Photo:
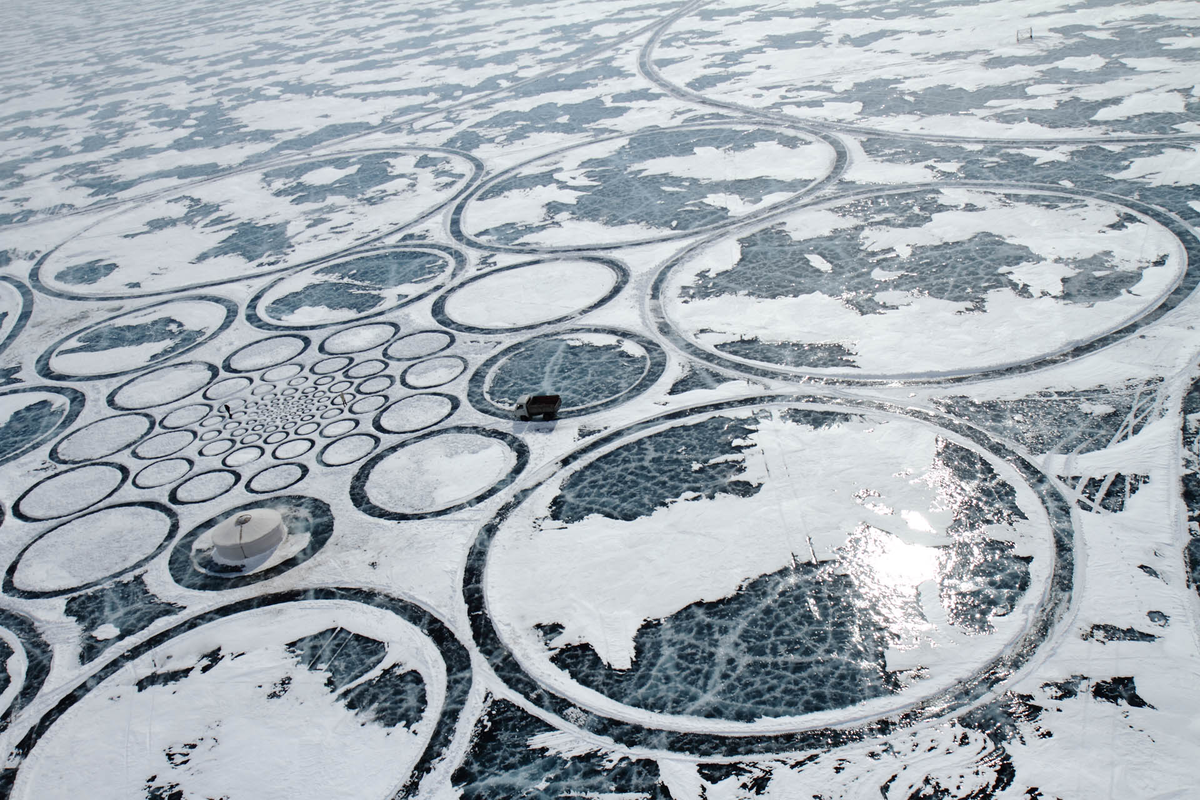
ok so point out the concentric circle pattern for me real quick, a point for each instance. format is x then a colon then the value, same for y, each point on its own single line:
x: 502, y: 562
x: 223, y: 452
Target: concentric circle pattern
x: 206, y: 430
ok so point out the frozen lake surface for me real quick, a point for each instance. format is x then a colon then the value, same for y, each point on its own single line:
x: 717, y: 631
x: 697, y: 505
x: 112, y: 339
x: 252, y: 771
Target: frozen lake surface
x: 877, y: 468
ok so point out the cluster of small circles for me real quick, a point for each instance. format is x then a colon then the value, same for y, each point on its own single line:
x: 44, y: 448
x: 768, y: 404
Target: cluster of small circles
x: 264, y: 410
x: 281, y: 412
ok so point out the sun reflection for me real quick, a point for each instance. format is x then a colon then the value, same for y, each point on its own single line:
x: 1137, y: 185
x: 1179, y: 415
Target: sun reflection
x: 889, y: 573
x: 897, y: 564
x: 917, y: 521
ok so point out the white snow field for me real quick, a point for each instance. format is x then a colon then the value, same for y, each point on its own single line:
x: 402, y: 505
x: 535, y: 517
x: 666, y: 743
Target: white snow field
x: 876, y: 472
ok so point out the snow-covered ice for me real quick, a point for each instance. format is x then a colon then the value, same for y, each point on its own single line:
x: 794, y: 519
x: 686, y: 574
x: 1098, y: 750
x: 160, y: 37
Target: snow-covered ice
x: 875, y: 331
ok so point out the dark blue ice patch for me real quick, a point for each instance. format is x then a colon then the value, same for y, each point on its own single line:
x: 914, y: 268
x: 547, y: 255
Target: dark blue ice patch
x: 581, y: 372
x: 176, y: 334
x: 774, y: 264
x: 589, y: 375
x: 651, y: 473
x: 1004, y: 719
x: 86, y: 274
x: 1190, y: 479
x: 1069, y: 421
x: 1191, y: 559
x: 196, y: 213
x: 981, y: 579
x: 37, y: 665
x: 343, y: 655
x: 791, y: 354
x: 553, y: 118
x: 6, y: 653
x: 32, y: 425
x: 395, y: 697
x: 696, y: 377
x: 1121, y: 690
x: 168, y: 678
x: 1105, y: 632
x: 373, y: 170
x: 251, y: 242
x: 979, y: 496
x: 502, y: 764
x: 358, y: 285
x: 794, y: 642
x: 129, y: 606
x: 670, y: 201
x: 1108, y: 492
x: 667, y: 205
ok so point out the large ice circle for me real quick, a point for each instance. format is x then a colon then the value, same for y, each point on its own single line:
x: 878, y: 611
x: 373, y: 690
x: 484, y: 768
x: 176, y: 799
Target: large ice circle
x: 265, y: 353
x: 438, y: 473
x: 382, y: 676
x: 365, y: 284
x: 770, y: 567
x: 973, y: 69
x: 685, y: 180
x: 919, y: 283
x: 591, y: 369
x: 359, y: 338
x: 137, y: 339
x: 70, y: 491
x: 437, y: 371
x: 162, y: 386
x: 420, y: 344
x: 204, y: 486
x: 102, y: 438
x: 253, y: 223
x: 90, y: 549
x: 530, y: 294
x: 416, y: 412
